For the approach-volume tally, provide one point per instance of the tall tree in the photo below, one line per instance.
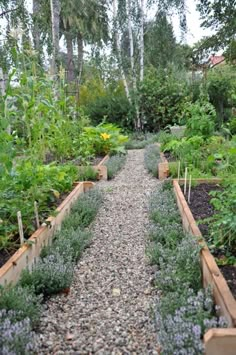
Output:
(219, 15)
(55, 6)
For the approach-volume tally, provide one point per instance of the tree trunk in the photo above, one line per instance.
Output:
(133, 73)
(55, 19)
(80, 46)
(141, 40)
(36, 31)
(140, 118)
(119, 55)
(70, 59)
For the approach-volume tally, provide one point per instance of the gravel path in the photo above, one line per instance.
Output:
(108, 310)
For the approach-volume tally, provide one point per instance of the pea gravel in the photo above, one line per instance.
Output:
(108, 310)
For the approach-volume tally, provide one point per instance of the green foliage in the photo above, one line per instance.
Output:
(105, 101)
(115, 164)
(23, 302)
(105, 138)
(87, 173)
(140, 141)
(232, 125)
(28, 182)
(152, 158)
(162, 98)
(200, 119)
(223, 222)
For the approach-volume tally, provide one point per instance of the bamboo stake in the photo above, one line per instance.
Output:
(20, 225)
(185, 180)
(189, 188)
(36, 214)
(178, 170)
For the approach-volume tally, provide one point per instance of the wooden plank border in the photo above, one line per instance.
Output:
(28, 254)
(217, 341)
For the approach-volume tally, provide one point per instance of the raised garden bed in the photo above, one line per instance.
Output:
(28, 254)
(217, 341)
(98, 164)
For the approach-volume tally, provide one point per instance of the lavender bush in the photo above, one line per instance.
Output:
(23, 302)
(183, 313)
(152, 158)
(115, 164)
(16, 337)
(51, 275)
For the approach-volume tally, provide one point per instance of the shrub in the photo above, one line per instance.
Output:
(114, 164)
(152, 158)
(85, 210)
(69, 243)
(23, 302)
(50, 276)
(16, 337)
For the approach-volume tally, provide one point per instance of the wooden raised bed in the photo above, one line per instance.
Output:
(102, 169)
(163, 168)
(217, 341)
(27, 255)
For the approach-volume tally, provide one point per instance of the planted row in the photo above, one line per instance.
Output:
(20, 305)
(184, 311)
(152, 159)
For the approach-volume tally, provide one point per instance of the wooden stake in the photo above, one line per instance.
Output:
(178, 170)
(185, 180)
(189, 188)
(20, 225)
(36, 214)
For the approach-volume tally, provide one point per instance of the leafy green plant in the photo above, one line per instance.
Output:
(223, 222)
(87, 173)
(114, 164)
(105, 138)
(201, 117)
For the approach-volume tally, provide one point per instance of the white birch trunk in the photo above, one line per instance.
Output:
(36, 30)
(55, 18)
(131, 44)
(118, 46)
(141, 40)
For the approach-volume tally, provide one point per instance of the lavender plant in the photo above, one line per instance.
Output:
(152, 158)
(114, 164)
(85, 210)
(23, 302)
(51, 275)
(16, 337)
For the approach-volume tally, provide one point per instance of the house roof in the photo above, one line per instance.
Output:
(216, 59)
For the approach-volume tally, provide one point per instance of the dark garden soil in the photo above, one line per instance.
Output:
(201, 208)
(5, 254)
(169, 157)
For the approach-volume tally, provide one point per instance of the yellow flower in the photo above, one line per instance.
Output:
(105, 136)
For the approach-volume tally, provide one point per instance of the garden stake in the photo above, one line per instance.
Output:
(36, 214)
(20, 225)
(189, 188)
(178, 170)
(185, 180)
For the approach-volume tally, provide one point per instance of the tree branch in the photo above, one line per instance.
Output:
(8, 11)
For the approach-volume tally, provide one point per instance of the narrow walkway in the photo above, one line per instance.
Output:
(109, 308)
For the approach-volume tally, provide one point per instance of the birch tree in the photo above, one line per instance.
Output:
(55, 7)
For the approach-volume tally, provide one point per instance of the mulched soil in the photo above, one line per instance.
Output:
(201, 208)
